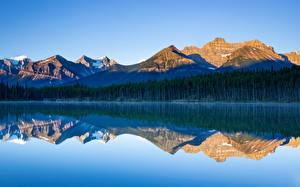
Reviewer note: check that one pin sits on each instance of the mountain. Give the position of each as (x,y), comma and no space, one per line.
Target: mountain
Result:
(57,67)
(7,67)
(214,52)
(97,64)
(168,63)
(10,68)
(293,57)
(20,58)
(221,146)
(219,52)
(253,58)
(13,65)
(87,61)
(215,56)
(55,70)
(165,60)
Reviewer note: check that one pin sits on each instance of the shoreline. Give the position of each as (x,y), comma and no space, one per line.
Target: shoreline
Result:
(262,103)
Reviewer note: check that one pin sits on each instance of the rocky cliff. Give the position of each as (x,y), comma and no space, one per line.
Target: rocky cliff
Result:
(218,51)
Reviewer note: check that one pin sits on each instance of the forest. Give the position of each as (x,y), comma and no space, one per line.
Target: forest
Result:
(281,86)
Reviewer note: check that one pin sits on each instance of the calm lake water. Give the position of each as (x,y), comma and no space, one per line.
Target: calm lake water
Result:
(131,144)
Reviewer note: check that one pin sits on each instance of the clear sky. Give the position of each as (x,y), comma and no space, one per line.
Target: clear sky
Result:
(131,30)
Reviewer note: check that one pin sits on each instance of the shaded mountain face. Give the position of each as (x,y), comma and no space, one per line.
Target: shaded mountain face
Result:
(293,57)
(123,75)
(7,67)
(218,51)
(96,64)
(10,69)
(12,66)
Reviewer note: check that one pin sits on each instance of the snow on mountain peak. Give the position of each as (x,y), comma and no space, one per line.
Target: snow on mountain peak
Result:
(103,57)
(19,58)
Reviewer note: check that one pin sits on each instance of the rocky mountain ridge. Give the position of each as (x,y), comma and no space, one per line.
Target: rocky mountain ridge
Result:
(218,51)
(170,62)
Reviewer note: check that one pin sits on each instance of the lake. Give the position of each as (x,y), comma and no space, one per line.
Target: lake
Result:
(149,144)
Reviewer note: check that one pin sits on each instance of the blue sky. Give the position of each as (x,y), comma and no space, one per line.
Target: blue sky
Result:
(131,30)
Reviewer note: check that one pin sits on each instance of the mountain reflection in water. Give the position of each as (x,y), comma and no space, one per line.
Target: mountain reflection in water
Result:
(219,131)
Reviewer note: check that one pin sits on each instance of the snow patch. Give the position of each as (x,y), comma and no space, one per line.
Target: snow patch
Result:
(98,63)
(17,141)
(226,55)
(19,58)
(227,144)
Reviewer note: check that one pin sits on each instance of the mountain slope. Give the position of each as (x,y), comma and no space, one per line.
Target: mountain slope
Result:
(221,146)
(164,60)
(12,66)
(293,57)
(218,51)
(168,63)
(96,64)
(253,58)
(87,61)
(52,71)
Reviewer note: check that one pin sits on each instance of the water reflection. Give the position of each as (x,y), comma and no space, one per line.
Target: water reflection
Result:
(219,131)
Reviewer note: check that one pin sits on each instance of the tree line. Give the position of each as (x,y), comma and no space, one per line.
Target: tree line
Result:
(283,85)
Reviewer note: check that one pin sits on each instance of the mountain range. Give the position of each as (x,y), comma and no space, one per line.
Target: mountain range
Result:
(215,144)
(215,56)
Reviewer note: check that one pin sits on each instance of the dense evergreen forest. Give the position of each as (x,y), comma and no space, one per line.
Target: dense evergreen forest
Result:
(283,85)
